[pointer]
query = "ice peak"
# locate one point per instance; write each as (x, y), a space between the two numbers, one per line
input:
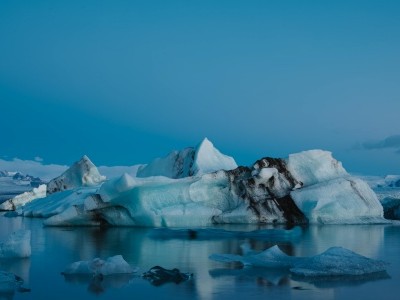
(204, 144)
(204, 158)
(209, 159)
(81, 173)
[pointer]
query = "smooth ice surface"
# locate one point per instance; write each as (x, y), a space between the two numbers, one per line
(56, 203)
(81, 173)
(204, 158)
(110, 266)
(314, 166)
(208, 159)
(24, 198)
(336, 261)
(342, 200)
(18, 244)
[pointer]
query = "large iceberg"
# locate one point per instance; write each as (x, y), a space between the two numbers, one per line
(81, 173)
(18, 245)
(335, 261)
(204, 158)
(306, 187)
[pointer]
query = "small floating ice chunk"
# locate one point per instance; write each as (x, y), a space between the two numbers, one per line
(112, 265)
(335, 261)
(18, 244)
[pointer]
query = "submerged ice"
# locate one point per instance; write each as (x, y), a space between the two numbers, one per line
(335, 261)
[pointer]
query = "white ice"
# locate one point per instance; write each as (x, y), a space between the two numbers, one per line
(314, 166)
(18, 245)
(202, 159)
(82, 173)
(111, 266)
(24, 198)
(340, 201)
(335, 261)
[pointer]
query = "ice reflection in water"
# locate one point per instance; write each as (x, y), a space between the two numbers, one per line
(54, 248)
(99, 284)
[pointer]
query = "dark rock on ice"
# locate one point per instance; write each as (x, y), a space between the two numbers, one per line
(158, 275)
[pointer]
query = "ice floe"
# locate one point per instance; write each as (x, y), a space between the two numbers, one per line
(335, 261)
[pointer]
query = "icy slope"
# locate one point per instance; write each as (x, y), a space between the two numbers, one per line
(81, 173)
(204, 158)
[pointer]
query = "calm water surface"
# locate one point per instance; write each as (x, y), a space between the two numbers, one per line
(55, 248)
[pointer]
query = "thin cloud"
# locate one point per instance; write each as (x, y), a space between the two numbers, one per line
(32, 167)
(391, 142)
(47, 172)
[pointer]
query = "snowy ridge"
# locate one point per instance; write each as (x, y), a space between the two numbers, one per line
(81, 173)
(204, 158)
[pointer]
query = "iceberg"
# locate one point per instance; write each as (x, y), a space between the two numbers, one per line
(18, 245)
(202, 159)
(336, 261)
(111, 266)
(22, 199)
(306, 187)
(81, 173)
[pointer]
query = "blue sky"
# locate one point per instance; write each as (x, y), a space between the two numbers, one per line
(127, 81)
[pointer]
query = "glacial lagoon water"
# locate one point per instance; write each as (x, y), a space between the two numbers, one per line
(55, 248)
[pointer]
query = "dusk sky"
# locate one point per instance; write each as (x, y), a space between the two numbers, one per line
(127, 81)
